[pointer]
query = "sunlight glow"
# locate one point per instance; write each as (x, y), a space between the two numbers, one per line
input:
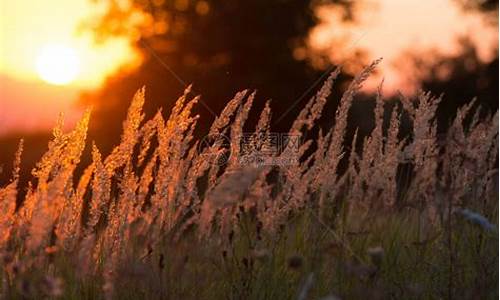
(393, 28)
(58, 64)
(49, 56)
(27, 26)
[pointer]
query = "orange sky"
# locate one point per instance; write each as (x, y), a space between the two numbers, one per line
(389, 28)
(385, 28)
(26, 28)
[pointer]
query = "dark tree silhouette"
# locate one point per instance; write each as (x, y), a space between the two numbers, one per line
(219, 46)
(460, 79)
(484, 5)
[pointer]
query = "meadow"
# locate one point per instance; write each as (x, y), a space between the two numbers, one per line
(236, 215)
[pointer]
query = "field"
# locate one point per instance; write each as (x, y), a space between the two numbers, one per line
(237, 215)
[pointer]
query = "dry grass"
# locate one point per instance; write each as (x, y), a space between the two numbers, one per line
(162, 218)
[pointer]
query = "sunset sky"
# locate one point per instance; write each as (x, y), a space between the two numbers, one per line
(38, 36)
(35, 38)
(391, 28)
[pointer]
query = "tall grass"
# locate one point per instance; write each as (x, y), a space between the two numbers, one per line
(166, 216)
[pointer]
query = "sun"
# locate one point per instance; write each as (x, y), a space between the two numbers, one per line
(57, 64)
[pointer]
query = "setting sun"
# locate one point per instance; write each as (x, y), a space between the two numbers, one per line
(58, 64)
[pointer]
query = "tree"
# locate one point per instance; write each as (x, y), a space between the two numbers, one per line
(220, 46)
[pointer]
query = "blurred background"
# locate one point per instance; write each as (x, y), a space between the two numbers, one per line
(60, 56)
